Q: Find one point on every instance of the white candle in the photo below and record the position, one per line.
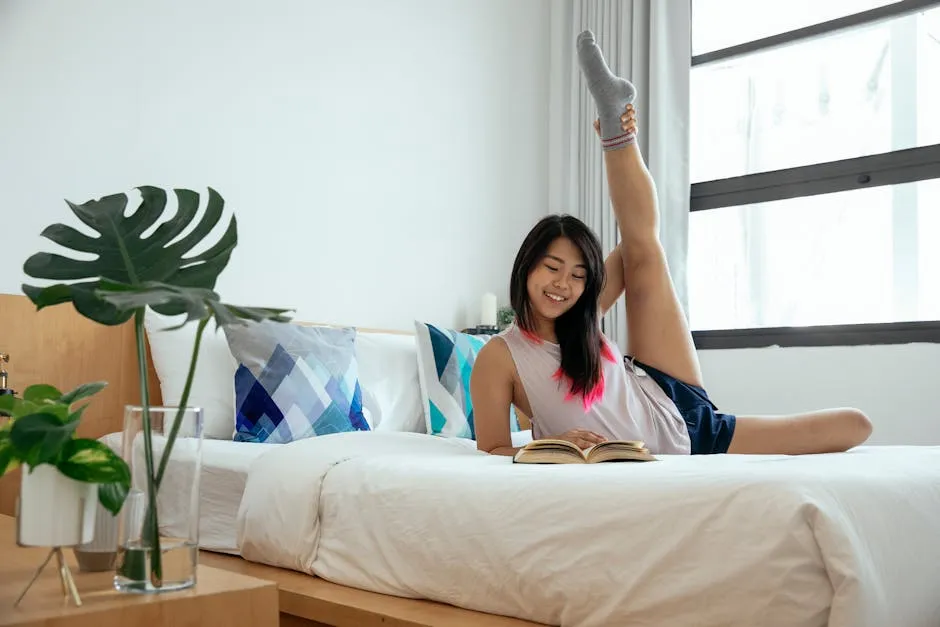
(488, 311)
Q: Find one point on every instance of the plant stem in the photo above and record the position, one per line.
(184, 399)
(152, 526)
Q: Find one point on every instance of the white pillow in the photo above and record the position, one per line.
(213, 387)
(388, 375)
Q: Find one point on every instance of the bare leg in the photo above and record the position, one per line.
(824, 431)
(657, 331)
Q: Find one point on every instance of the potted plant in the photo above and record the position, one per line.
(146, 258)
(505, 317)
(64, 477)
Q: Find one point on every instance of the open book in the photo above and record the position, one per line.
(563, 452)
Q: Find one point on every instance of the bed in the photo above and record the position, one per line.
(393, 516)
(845, 540)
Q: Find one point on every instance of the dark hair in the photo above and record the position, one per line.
(578, 329)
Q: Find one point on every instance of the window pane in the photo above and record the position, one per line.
(720, 24)
(845, 258)
(928, 248)
(869, 90)
(928, 85)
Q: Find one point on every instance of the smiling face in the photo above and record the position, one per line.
(557, 281)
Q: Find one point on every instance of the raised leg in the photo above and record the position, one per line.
(824, 431)
(657, 331)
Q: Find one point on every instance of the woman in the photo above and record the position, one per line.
(556, 365)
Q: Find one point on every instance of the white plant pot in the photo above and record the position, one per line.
(55, 510)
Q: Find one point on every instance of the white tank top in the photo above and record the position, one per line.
(631, 406)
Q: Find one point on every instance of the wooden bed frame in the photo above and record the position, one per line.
(60, 347)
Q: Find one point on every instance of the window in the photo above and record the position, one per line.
(815, 163)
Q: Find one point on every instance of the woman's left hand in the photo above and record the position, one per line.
(627, 121)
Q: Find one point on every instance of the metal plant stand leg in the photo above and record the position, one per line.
(65, 577)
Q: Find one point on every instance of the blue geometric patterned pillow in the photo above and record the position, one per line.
(294, 382)
(445, 361)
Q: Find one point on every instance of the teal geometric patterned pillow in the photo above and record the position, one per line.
(445, 361)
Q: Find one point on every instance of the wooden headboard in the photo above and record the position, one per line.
(60, 347)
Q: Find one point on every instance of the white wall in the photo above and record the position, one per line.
(897, 386)
(384, 159)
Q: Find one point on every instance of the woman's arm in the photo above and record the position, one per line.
(614, 285)
(491, 391)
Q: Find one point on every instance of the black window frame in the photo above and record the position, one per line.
(901, 166)
(892, 168)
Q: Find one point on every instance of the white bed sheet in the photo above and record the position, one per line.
(225, 465)
(847, 540)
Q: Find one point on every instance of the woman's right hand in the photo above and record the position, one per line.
(627, 121)
(582, 438)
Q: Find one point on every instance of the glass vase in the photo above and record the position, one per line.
(158, 528)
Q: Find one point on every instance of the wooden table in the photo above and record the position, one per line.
(219, 599)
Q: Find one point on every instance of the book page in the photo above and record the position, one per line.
(548, 444)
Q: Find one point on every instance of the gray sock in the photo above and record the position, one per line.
(611, 93)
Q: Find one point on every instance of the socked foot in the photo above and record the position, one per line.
(611, 93)
(824, 431)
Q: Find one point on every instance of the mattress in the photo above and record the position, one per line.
(224, 470)
(843, 540)
(225, 467)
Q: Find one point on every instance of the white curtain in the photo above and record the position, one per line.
(649, 43)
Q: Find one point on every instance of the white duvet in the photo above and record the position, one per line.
(845, 540)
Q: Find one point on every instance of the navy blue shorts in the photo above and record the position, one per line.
(710, 432)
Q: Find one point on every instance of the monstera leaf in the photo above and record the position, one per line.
(197, 303)
(125, 256)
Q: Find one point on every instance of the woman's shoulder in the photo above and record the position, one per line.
(494, 352)
(493, 364)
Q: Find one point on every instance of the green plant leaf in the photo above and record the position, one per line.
(92, 461)
(23, 408)
(17, 407)
(198, 303)
(124, 256)
(112, 496)
(233, 314)
(83, 391)
(41, 392)
(76, 415)
(39, 438)
(8, 458)
(58, 410)
(157, 295)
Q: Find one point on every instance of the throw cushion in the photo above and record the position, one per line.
(294, 382)
(388, 373)
(445, 361)
(211, 389)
